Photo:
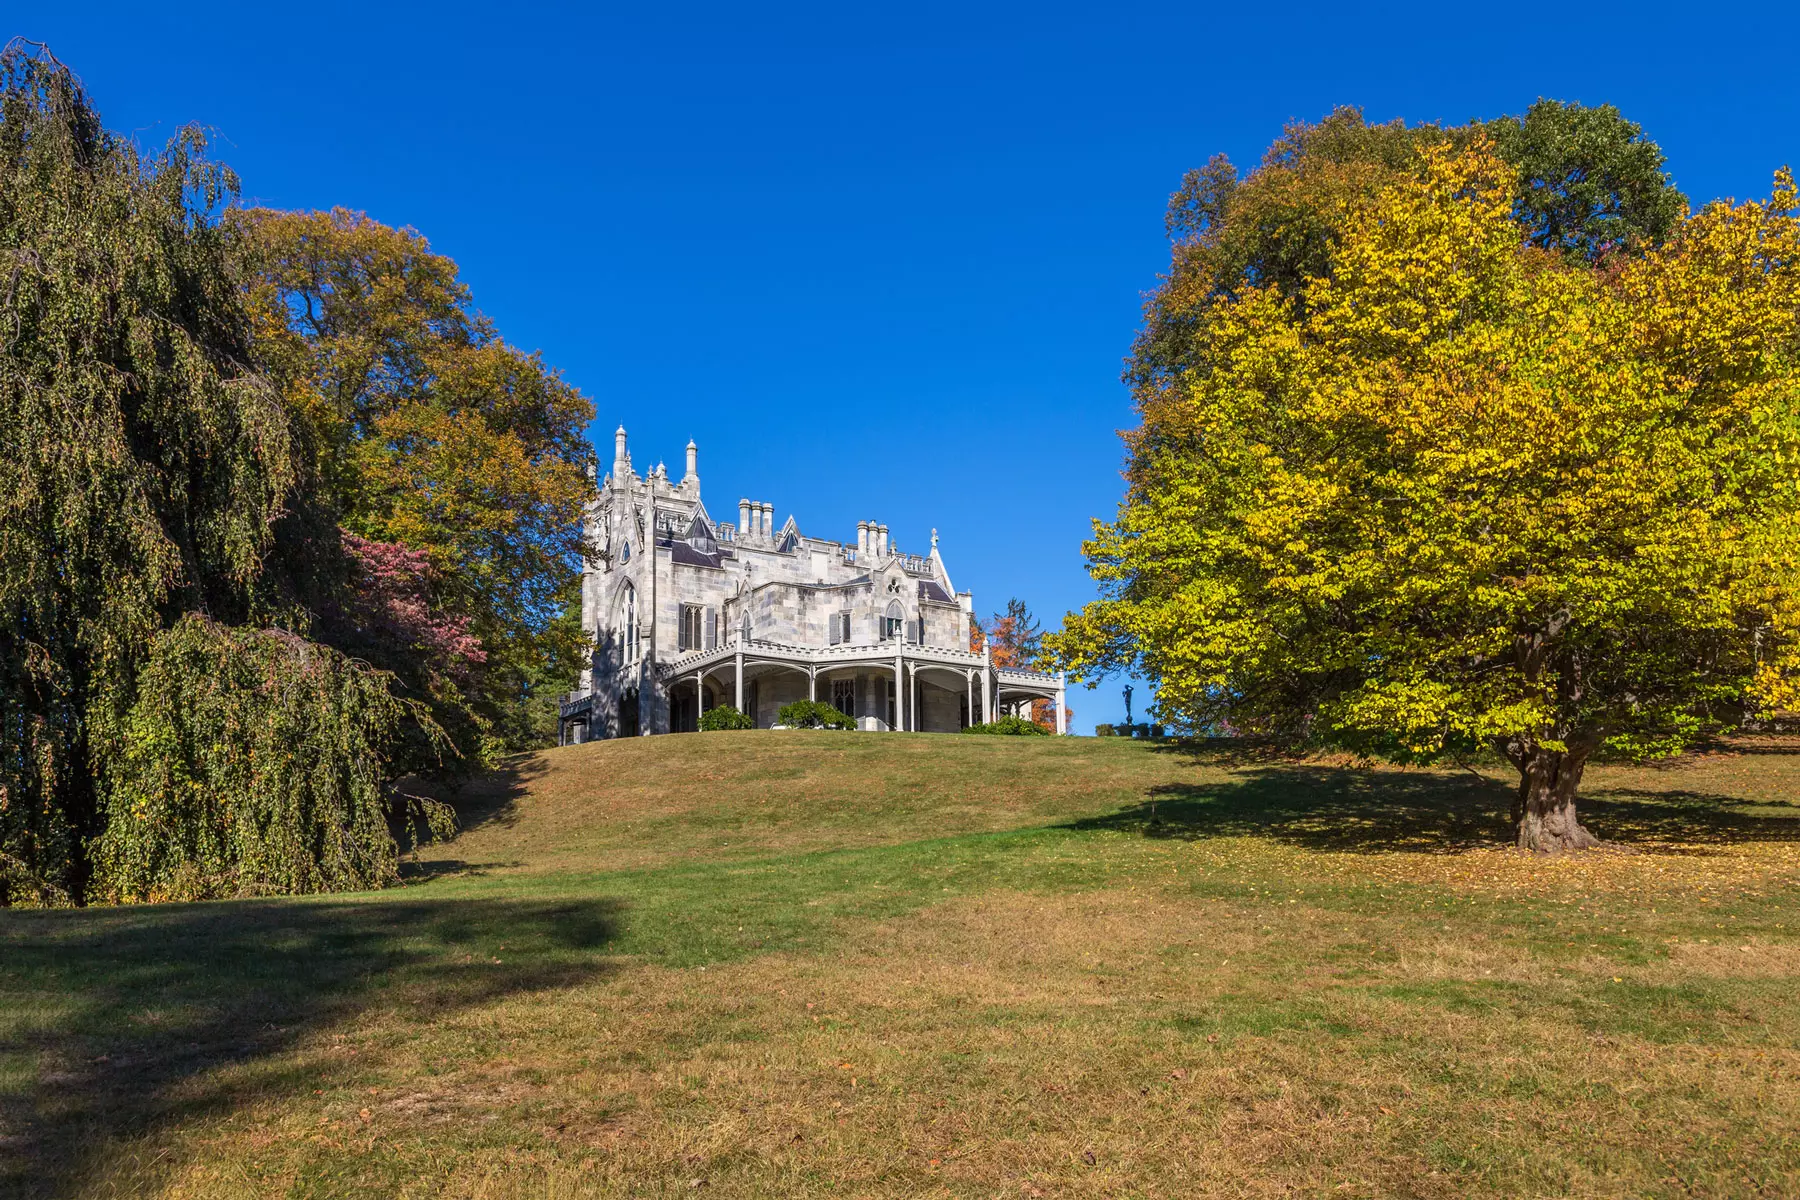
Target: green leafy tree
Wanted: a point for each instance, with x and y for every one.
(145, 467)
(1589, 181)
(143, 459)
(1475, 494)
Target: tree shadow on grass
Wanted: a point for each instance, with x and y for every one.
(1382, 811)
(490, 798)
(125, 1020)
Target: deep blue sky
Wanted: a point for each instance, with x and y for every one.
(880, 262)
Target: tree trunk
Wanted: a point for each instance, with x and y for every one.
(1545, 808)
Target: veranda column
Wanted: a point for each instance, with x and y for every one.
(970, 677)
(987, 684)
(699, 699)
(912, 693)
(1062, 706)
(812, 684)
(740, 681)
(899, 695)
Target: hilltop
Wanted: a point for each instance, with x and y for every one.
(793, 964)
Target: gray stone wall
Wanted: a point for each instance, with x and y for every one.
(940, 709)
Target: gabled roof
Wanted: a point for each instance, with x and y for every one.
(788, 540)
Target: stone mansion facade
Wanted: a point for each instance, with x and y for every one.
(687, 613)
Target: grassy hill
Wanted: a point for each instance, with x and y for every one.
(794, 964)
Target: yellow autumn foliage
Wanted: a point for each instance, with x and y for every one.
(1475, 494)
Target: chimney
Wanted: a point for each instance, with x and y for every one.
(862, 539)
(768, 520)
(744, 529)
(693, 471)
(621, 460)
(882, 550)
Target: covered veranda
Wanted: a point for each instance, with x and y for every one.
(922, 684)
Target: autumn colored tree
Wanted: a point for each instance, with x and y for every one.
(433, 434)
(1016, 637)
(1475, 493)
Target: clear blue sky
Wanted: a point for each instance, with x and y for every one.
(880, 262)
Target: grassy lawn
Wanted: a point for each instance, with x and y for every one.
(785, 964)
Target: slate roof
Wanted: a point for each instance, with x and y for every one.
(930, 589)
(681, 552)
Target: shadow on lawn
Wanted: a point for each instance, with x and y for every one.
(148, 1004)
(491, 798)
(1376, 812)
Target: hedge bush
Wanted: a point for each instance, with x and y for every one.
(1010, 727)
(812, 714)
(724, 717)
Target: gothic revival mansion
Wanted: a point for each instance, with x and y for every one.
(688, 613)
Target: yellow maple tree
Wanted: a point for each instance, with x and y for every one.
(1475, 495)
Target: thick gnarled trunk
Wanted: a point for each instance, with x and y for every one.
(1544, 810)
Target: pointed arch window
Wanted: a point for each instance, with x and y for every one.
(893, 622)
(631, 625)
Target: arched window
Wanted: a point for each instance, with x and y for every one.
(893, 622)
(631, 625)
(624, 553)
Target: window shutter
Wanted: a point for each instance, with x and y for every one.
(835, 630)
(712, 629)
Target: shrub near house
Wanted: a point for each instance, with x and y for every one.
(812, 714)
(724, 717)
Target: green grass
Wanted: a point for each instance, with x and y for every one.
(851, 964)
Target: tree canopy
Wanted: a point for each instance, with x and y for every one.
(144, 458)
(1588, 183)
(251, 460)
(1474, 492)
(434, 435)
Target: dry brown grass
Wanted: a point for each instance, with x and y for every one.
(1237, 999)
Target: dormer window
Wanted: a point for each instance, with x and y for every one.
(700, 537)
(893, 622)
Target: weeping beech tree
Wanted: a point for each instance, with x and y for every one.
(1476, 494)
(143, 465)
(250, 764)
